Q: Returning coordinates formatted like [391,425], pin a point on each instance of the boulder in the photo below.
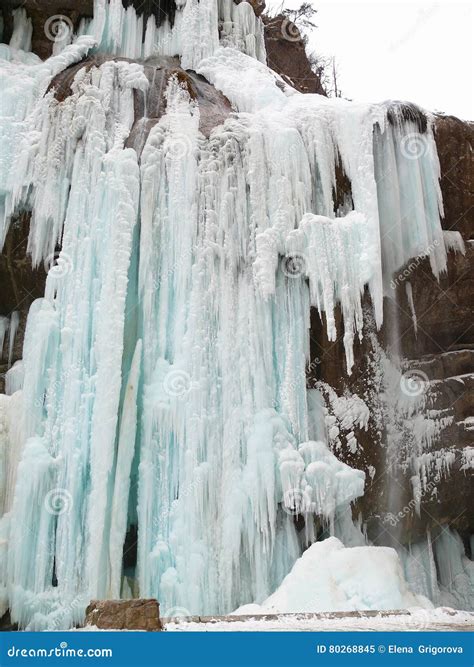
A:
[139,614]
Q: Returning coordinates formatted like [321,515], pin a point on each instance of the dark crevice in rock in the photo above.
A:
[342,193]
[7,18]
[162,10]
[6,624]
[130,549]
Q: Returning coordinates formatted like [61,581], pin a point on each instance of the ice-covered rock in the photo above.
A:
[331,577]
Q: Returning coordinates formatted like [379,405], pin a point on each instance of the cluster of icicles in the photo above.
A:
[163,373]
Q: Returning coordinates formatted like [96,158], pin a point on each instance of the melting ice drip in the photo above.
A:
[164,371]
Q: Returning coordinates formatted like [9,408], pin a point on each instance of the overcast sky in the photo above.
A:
[417,50]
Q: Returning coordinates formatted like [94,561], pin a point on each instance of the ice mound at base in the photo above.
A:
[331,577]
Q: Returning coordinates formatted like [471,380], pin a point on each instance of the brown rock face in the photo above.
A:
[124,615]
[286,55]
[454,139]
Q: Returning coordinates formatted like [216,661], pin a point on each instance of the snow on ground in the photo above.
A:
[420,620]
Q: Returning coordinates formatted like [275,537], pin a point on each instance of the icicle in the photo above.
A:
[407,171]
[455,570]
[14,378]
[72,367]
[340,258]
[454,241]
[14,322]
[409,293]
[242,29]
[22,30]
[24,113]
[4,327]
[193,36]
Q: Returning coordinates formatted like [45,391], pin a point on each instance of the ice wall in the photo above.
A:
[193,32]
[437,567]
[164,381]
[72,361]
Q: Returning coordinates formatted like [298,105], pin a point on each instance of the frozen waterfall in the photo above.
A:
[164,371]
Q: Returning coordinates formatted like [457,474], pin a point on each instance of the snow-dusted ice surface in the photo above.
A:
[163,382]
